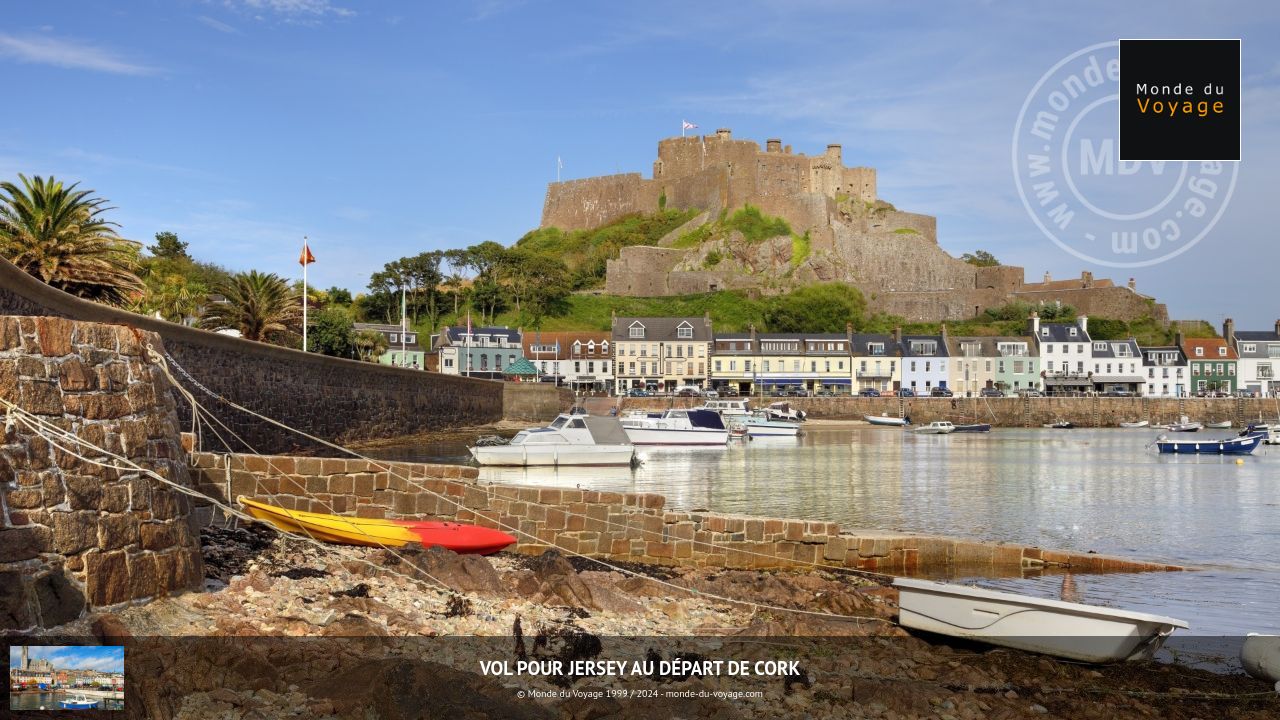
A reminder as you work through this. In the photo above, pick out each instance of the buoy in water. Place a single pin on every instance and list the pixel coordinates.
(1239, 461)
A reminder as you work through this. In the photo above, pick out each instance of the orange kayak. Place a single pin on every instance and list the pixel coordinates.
(380, 532)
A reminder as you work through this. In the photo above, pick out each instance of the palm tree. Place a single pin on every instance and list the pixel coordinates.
(256, 304)
(57, 233)
(454, 284)
(371, 344)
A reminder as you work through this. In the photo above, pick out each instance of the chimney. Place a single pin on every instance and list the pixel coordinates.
(1047, 277)
(1278, 327)
(1177, 338)
(1133, 284)
(1229, 331)
(1033, 323)
(1083, 323)
(773, 145)
(1086, 278)
(752, 328)
(897, 334)
(943, 330)
(848, 333)
(724, 134)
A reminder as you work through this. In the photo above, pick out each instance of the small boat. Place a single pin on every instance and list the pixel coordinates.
(379, 532)
(571, 439)
(79, 702)
(784, 411)
(1135, 424)
(1239, 445)
(1059, 425)
(887, 421)
(937, 427)
(762, 424)
(728, 408)
(1184, 424)
(1074, 631)
(1270, 433)
(973, 428)
(1260, 657)
(675, 427)
(1219, 425)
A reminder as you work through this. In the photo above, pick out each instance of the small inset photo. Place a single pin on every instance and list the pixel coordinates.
(66, 677)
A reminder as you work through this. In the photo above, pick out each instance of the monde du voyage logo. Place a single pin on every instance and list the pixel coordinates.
(1123, 152)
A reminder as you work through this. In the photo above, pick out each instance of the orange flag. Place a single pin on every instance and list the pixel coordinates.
(306, 258)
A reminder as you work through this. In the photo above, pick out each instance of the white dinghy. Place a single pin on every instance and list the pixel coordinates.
(1087, 633)
(1260, 657)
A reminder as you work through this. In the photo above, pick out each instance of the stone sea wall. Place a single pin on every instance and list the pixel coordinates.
(75, 536)
(1013, 412)
(633, 527)
(336, 399)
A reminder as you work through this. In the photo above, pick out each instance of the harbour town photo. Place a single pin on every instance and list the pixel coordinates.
(54, 677)
(639, 373)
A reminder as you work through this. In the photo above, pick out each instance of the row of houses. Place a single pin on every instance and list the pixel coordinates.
(668, 353)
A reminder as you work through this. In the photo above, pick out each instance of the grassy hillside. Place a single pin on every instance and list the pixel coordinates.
(585, 252)
(729, 310)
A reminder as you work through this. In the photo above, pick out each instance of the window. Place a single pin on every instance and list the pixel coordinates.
(746, 366)
(999, 366)
(1048, 348)
(733, 365)
(1195, 367)
(766, 366)
(577, 367)
(1264, 371)
(1122, 350)
(876, 348)
(1017, 366)
(1044, 332)
(1249, 348)
(1080, 349)
(633, 368)
(1050, 368)
(637, 330)
(1099, 347)
(862, 366)
(448, 362)
(971, 348)
(1231, 368)
(1073, 332)
(717, 366)
(1222, 352)
(395, 337)
(684, 331)
(1273, 350)
(924, 347)
(411, 339)
(913, 368)
(1199, 352)
(988, 366)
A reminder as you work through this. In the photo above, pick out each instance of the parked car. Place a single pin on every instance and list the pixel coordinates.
(796, 392)
(991, 392)
(869, 392)
(729, 392)
(688, 391)
(823, 393)
(638, 392)
(940, 392)
(905, 392)
(1117, 393)
(1030, 393)
(711, 394)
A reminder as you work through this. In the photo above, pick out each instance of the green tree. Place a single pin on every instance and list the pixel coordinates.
(825, 307)
(487, 296)
(174, 296)
(58, 234)
(331, 331)
(540, 282)
(169, 247)
(261, 306)
(370, 344)
(981, 258)
(338, 296)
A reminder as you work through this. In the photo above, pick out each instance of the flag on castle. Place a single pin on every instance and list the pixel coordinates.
(306, 258)
(686, 125)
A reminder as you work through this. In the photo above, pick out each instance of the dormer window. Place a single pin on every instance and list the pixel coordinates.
(1044, 332)
(1099, 347)
(1222, 352)
(1199, 352)
(604, 346)
(684, 331)
(636, 330)
(1073, 332)
(876, 348)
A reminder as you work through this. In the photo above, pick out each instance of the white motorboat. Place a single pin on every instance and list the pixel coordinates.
(886, 420)
(761, 424)
(1219, 425)
(78, 702)
(728, 408)
(937, 427)
(675, 427)
(572, 439)
(784, 411)
(1184, 424)
(1074, 631)
(1270, 433)
(1135, 424)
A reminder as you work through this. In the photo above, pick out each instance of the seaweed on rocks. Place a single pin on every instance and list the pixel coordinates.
(358, 591)
(298, 573)
(229, 551)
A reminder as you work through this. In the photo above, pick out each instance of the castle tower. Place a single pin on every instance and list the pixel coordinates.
(23, 664)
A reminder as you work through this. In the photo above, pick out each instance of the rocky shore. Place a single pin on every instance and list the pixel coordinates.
(287, 629)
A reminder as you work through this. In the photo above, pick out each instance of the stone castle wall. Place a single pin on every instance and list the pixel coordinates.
(75, 536)
(635, 527)
(336, 399)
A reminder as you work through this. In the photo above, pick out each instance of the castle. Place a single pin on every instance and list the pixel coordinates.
(849, 235)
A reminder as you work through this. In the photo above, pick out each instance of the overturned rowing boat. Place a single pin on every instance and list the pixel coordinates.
(379, 532)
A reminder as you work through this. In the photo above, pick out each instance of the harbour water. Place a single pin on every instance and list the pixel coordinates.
(1087, 490)
(49, 701)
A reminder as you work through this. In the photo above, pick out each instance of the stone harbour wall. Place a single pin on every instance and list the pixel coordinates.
(75, 536)
(617, 526)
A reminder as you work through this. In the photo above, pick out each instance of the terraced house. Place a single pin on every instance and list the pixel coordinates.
(924, 362)
(577, 359)
(483, 352)
(1066, 356)
(1259, 359)
(1213, 365)
(1004, 363)
(660, 353)
(765, 363)
(1167, 370)
(1117, 367)
(876, 362)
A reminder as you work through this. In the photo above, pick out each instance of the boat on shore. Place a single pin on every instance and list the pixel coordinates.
(937, 427)
(728, 408)
(1239, 445)
(571, 439)
(1219, 425)
(1260, 657)
(1184, 424)
(1073, 631)
(380, 532)
(887, 421)
(675, 427)
(1134, 424)
(973, 428)
(1059, 425)
(761, 424)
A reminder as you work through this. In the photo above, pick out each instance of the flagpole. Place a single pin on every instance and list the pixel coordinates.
(558, 166)
(404, 358)
(304, 293)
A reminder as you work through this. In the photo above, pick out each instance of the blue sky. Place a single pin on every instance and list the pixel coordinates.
(382, 129)
(104, 658)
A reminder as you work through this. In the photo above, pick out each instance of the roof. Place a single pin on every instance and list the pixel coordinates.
(662, 328)
(1112, 345)
(860, 341)
(989, 344)
(456, 334)
(1061, 332)
(908, 351)
(1259, 339)
(1210, 347)
(1148, 349)
(391, 330)
(563, 342)
(520, 367)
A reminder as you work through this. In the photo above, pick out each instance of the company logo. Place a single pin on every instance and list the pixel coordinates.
(1070, 178)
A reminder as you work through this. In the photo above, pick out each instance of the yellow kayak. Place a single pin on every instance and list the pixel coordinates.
(379, 532)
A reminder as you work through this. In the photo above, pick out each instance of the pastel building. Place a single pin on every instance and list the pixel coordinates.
(924, 362)
(1259, 358)
(1117, 367)
(660, 353)
(483, 352)
(1168, 374)
(1066, 355)
(1213, 365)
(762, 363)
(403, 349)
(876, 362)
(1004, 363)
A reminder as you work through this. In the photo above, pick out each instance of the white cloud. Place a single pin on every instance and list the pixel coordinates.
(217, 25)
(295, 11)
(45, 50)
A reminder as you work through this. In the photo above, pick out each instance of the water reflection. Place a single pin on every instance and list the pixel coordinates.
(1099, 490)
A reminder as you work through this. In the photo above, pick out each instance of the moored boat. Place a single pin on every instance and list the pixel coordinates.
(1074, 631)
(380, 532)
(1239, 445)
(1059, 425)
(1219, 425)
(973, 428)
(1270, 433)
(1184, 424)
(1135, 424)
(728, 408)
(1260, 657)
(784, 411)
(762, 424)
(571, 439)
(937, 427)
(887, 421)
(675, 427)
(78, 702)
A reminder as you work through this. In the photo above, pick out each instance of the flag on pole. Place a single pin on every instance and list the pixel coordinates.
(559, 163)
(306, 258)
(686, 125)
